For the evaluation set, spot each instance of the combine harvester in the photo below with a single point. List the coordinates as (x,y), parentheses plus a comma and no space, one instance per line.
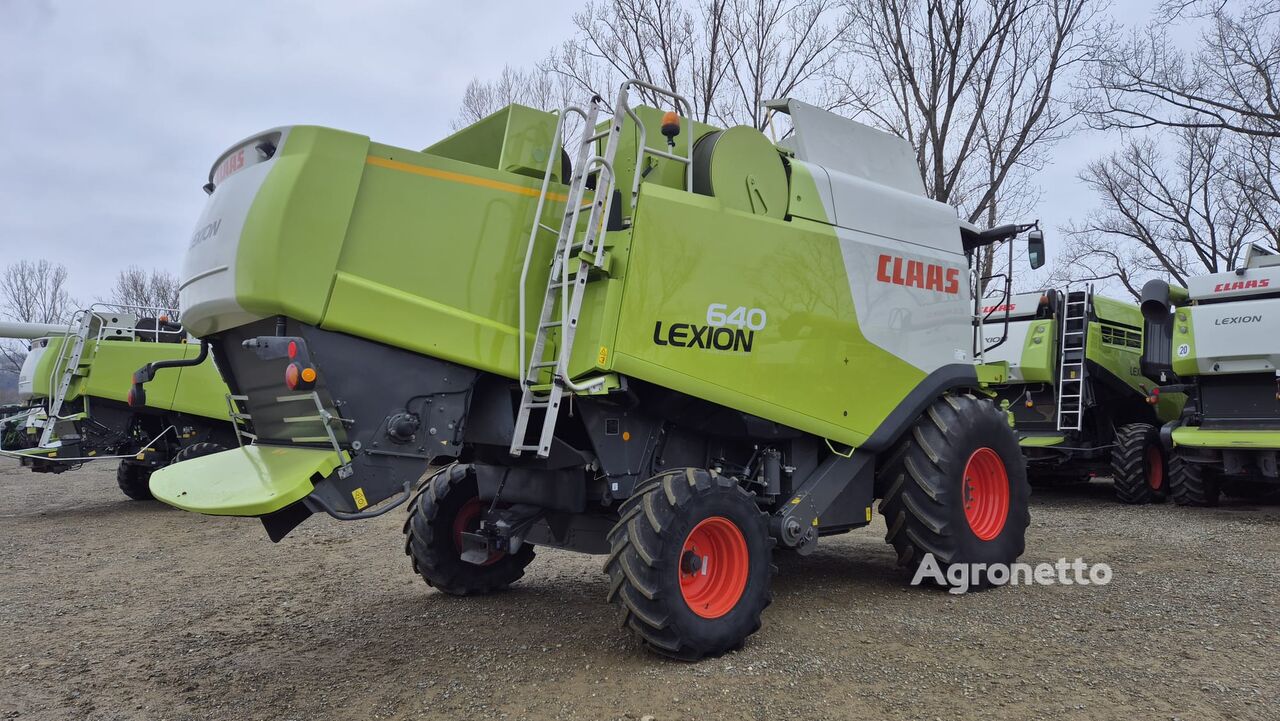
(1078,388)
(1223,351)
(678,348)
(75,384)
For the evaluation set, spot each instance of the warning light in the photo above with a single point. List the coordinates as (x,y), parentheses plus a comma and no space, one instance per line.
(291,376)
(671,126)
(293,349)
(163,319)
(308,375)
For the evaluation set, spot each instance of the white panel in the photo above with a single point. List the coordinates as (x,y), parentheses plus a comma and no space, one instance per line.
(1238,337)
(27,372)
(1253,281)
(927,328)
(838,143)
(1011,350)
(208,290)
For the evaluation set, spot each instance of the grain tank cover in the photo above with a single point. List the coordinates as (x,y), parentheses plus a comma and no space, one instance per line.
(838,143)
(742,169)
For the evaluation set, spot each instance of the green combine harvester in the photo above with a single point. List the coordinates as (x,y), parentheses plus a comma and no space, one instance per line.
(1079,391)
(1222,349)
(676,346)
(75,386)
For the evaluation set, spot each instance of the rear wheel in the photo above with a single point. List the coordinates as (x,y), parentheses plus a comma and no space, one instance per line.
(447,506)
(690,564)
(1138,464)
(196,450)
(1191,483)
(133,480)
(956,487)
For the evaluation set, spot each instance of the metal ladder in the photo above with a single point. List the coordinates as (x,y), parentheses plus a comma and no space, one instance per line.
(544,372)
(78,340)
(1072,381)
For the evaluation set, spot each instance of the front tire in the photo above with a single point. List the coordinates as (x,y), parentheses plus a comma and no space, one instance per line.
(690,567)
(1192,484)
(1138,464)
(133,480)
(956,487)
(448,505)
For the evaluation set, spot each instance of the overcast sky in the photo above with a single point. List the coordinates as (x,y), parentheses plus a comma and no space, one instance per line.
(111,113)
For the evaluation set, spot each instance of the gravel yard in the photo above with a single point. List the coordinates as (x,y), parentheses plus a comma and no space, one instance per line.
(113,609)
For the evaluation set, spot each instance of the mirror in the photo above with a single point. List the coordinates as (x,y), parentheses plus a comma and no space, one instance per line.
(1035,248)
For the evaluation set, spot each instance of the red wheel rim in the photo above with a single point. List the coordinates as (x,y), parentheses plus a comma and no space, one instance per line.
(468,520)
(986,494)
(1155,468)
(714,564)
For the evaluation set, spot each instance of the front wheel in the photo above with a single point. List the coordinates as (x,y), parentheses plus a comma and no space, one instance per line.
(690,564)
(956,489)
(1138,464)
(447,506)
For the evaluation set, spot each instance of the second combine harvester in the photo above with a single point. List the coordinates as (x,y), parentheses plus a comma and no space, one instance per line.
(673,345)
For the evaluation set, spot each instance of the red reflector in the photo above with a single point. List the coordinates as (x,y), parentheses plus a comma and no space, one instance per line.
(291,376)
(293,349)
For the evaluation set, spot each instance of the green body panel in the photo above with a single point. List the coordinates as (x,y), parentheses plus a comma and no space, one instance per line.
(849,385)
(666,173)
(1195,437)
(248,481)
(390,250)
(1041,441)
(1184,333)
(42,379)
(304,208)
(106,371)
(512,140)
(1039,360)
(1113,342)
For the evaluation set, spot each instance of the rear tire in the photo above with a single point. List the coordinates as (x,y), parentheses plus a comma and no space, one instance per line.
(196,450)
(1192,484)
(447,505)
(133,480)
(956,487)
(1138,464)
(690,567)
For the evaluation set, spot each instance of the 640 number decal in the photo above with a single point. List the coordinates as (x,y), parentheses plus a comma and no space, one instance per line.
(725,330)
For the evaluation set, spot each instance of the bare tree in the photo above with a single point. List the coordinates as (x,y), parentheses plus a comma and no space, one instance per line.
(534,88)
(1164,214)
(724,56)
(156,291)
(32,292)
(1231,82)
(981,88)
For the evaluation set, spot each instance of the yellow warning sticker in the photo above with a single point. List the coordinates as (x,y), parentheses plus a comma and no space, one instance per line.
(361,501)
(868,514)
(603,356)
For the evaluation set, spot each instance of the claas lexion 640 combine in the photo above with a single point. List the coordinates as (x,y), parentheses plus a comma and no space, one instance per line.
(670,344)
(1222,349)
(1079,385)
(74,387)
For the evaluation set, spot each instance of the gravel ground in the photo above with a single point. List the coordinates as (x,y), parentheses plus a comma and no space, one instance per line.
(112,609)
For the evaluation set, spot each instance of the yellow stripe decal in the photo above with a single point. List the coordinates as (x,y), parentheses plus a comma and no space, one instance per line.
(461,178)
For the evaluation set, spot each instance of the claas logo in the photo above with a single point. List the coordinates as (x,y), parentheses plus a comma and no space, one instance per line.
(1241,285)
(918,274)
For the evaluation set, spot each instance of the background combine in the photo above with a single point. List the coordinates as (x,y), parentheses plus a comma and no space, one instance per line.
(675,345)
(1222,348)
(75,383)
(1078,385)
